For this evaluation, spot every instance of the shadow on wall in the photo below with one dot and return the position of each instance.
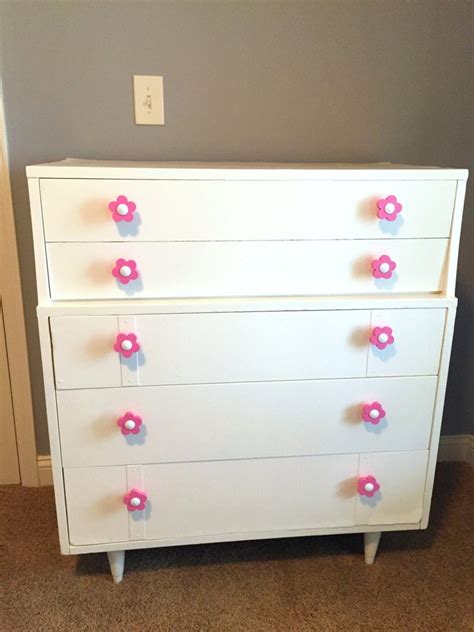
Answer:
(458, 414)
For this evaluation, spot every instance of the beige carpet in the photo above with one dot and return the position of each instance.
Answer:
(420, 581)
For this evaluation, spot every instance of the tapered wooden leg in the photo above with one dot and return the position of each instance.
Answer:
(371, 543)
(117, 563)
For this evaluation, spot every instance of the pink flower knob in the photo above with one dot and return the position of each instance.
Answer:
(126, 344)
(122, 210)
(125, 270)
(383, 267)
(135, 500)
(381, 337)
(367, 486)
(373, 413)
(129, 423)
(388, 208)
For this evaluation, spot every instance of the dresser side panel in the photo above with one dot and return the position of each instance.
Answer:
(54, 432)
(438, 412)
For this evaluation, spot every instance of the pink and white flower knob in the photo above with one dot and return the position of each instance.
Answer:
(126, 344)
(129, 423)
(383, 267)
(367, 486)
(135, 500)
(382, 337)
(122, 209)
(388, 208)
(125, 270)
(373, 413)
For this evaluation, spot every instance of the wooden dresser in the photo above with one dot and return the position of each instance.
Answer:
(242, 351)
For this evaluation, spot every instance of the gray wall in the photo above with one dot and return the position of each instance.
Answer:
(322, 81)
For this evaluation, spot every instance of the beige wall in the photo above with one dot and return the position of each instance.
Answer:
(332, 80)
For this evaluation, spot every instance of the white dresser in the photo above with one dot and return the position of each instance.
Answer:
(242, 351)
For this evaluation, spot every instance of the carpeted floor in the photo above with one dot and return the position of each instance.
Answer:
(421, 580)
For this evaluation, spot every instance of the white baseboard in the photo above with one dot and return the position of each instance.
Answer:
(45, 470)
(457, 448)
(451, 448)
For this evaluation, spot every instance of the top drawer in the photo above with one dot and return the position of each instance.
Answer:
(213, 210)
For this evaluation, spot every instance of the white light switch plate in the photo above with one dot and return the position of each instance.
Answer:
(148, 96)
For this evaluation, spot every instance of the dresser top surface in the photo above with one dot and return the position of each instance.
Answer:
(78, 168)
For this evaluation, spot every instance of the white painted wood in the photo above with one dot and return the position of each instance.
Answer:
(244, 304)
(254, 495)
(9, 466)
(106, 169)
(455, 239)
(41, 265)
(250, 420)
(458, 448)
(214, 497)
(191, 348)
(95, 508)
(117, 565)
(83, 352)
(438, 412)
(401, 476)
(53, 430)
(136, 520)
(176, 349)
(418, 337)
(201, 348)
(232, 380)
(246, 495)
(190, 210)
(130, 370)
(371, 544)
(235, 537)
(84, 270)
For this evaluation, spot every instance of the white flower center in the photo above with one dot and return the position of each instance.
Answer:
(369, 487)
(374, 413)
(126, 345)
(135, 502)
(383, 338)
(384, 267)
(122, 209)
(129, 424)
(390, 208)
(126, 271)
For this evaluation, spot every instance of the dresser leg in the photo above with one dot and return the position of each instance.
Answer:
(371, 543)
(117, 563)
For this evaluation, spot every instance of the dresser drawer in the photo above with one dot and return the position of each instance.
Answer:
(244, 420)
(207, 210)
(244, 347)
(182, 500)
(222, 269)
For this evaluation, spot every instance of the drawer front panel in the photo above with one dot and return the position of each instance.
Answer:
(245, 496)
(401, 476)
(232, 421)
(77, 210)
(203, 348)
(244, 347)
(292, 268)
(192, 499)
(418, 336)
